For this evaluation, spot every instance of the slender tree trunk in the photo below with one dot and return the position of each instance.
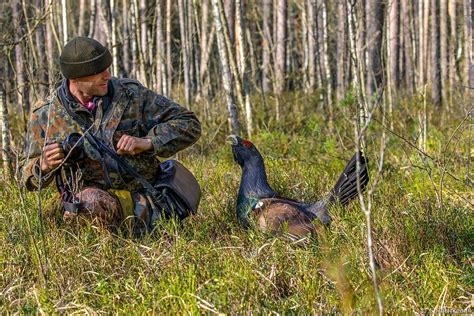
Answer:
(160, 50)
(290, 49)
(22, 90)
(320, 66)
(207, 38)
(93, 12)
(40, 42)
(426, 41)
(185, 51)
(341, 49)
(251, 29)
(435, 71)
(452, 48)
(64, 24)
(409, 60)
(229, 8)
(226, 76)
(231, 57)
(5, 126)
(169, 65)
(240, 29)
(50, 47)
(305, 42)
(134, 42)
(374, 46)
(443, 13)
(327, 65)
(80, 28)
(468, 54)
(266, 45)
(113, 37)
(280, 46)
(468, 77)
(393, 44)
(312, 37)
(125, 40)
(362, 38)
(190, 44)
(143, 36)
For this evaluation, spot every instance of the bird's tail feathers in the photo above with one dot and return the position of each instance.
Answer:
(346, 186)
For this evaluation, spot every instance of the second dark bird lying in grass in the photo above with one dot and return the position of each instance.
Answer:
(271, 212)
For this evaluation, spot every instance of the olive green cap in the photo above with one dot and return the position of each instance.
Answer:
(84, 56)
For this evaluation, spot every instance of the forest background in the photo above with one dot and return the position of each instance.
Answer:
(309, 82)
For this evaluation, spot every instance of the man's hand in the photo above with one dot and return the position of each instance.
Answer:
(129, 145)
(53, 156)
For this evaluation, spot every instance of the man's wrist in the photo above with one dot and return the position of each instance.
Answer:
(148, 145)
(39, 173)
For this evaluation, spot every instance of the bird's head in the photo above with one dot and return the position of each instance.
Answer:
(244, 151)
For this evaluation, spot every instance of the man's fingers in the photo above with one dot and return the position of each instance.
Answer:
(123, 141)
(120, 142)
(126, 145)
(55, 152)
(55, 163)
(56, 156)
(130, 145)
(51, 146)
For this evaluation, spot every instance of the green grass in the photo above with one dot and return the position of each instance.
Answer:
(210, 264)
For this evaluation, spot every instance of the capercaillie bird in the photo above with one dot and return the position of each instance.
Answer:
(271, 212)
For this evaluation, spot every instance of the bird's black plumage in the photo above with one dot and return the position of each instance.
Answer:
(256, 198)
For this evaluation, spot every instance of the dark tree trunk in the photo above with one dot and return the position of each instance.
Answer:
(435, 54)
(374, 46)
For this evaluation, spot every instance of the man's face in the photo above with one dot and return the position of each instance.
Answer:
(94, 85)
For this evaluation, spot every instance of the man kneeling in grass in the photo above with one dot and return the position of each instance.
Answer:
(121, 114)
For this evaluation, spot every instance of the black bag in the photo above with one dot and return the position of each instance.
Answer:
(179, 191)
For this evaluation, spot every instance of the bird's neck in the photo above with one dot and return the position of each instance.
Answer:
(253, 186)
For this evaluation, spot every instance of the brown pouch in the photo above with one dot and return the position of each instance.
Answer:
(179, 188)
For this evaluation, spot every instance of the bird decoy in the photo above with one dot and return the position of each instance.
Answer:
(270, 212)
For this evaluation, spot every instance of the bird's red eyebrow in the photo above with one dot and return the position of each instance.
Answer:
(246, 143)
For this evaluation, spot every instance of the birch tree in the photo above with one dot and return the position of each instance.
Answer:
(393, 42)
(452, 47)
(92, 19)
(185, 50)
(280, 46)
(64, 21)
(169, 65)
(243, 65)
(160, 51)
(266, 45)
(5, 126)
(226, 75)
(311, 38)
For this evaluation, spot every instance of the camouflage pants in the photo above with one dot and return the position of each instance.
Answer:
(104, 208)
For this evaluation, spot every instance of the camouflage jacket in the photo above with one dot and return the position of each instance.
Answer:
(133, 110)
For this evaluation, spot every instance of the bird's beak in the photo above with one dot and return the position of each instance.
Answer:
(232, 140)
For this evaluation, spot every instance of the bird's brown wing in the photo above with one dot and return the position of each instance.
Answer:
(275, 215)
